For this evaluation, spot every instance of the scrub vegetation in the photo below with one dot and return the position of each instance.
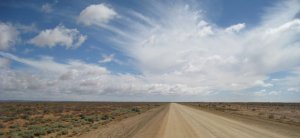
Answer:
(60, 119)
(288, 113)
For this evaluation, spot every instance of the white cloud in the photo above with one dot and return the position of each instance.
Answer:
(107, 58)
(8, 36)
(289, 83)
(47, 8)
(110, 58)
(262, 83)
(48, 64)
(293, 25)
(184, 48)
(260, 93)
(96, 14)
(176, 52)
(27, 51)
(79, 78)
(236, 27)
(52, 78)
(4, 63)
(60, 35)
(280, 13)
(265, 93)
(274, 93)
(292, 89)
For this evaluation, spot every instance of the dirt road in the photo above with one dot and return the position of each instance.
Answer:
(179, 121)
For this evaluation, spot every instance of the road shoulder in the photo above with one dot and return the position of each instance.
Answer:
(287, 129)
(133, 126)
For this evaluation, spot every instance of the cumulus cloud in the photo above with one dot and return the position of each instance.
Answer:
(8, 36)
(60, 35)
(78, 78)
(51, 77)
(96, 14)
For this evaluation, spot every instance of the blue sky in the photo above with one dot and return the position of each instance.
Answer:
(206, 50)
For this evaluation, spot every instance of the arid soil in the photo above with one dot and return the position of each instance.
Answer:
(288, 113)
(62, 119)
(181, 121)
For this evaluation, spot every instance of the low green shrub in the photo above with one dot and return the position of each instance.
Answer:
(135, 109)
(104, 117)
(27, 134)
(14, 126)
(6, 118)
(63, 132)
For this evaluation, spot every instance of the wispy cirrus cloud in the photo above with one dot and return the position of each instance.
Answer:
(181, 47)
(107, 58)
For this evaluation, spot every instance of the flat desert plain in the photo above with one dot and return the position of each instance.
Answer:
(150, 120)
(185, 121)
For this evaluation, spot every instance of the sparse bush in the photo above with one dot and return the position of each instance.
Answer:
(282, 117)
(64, 132)
(58, 125)
(6, 119)
(82, 116)
(46, 111)
(89, 119)
(14, 126)
(75, 132)
(271, 116)
(27, 134)
(38, 130)
(95, 126)
(261, 113)
(50, 130)
(104, 117)
(25, 116)
(45, 118)
(13, 135)
(2, 126)
(135, 109)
